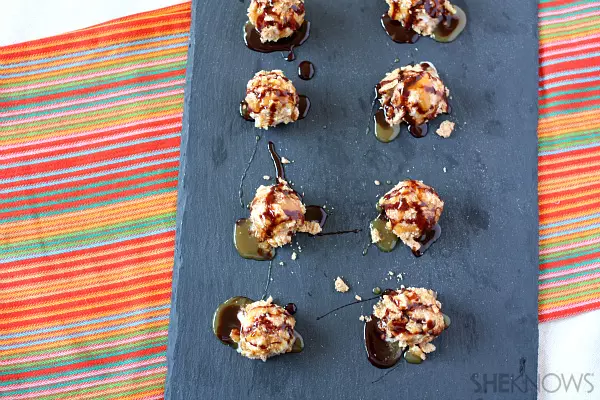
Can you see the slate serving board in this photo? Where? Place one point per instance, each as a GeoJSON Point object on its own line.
{"type": "Point", "coordinates": [484, 266]}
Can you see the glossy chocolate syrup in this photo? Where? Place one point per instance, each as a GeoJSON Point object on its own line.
{"type": "Point", "coordinates": [286, 45]}
{"type": "Point", "coordinates": [279, 170]}
{"type": "Point", "coordinates": [383, 131]}
{"type": "Point", "coordinates": [397, 32]}
{"type": "Point", "coordinates": [306, 70]}
{"type": "Point", "coordinates": [388, 240]}
{"type": "Point", "coordinates": [381, 353]}
{"type": "Point", "coordinates": [316, 214]}
{"type": "Point", "coordinates": [247, 245]}
{"type": "Point", "coordinates": [449, 27]}
{"type": "Point", "coordinates": [303, 106]}
{"type": "Point", "coordinates": [244, 111]}
{"type": "Point", "coordinates": [291, 308]}
{"type": "Point", "coordinates": [225, 319]}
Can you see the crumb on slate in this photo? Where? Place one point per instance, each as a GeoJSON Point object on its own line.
{"type": "Point", "coordinates": [340, 285]}
{"type": "Point", "coordinates": [445, 129]}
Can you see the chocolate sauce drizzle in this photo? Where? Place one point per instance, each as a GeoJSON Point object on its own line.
{"type": "Point", "coordinates": [348, 305]}
{"type": "Point", "coordinates": [303, 109]}
{"type": "Point", "coordinates": [397, 32]}
{"type": "Point", "coordinates": [241, 187]}
{"type": "Point", "coordinates": [306, 70]}
{"type": "Point", "coordinates": [269, 275]}
{"type": "Point", "coordinates": [276, 161]}
{"type": "Point", "coordinates": [339, 232]}
{"type": "Point", "coordinates": [286, 45]}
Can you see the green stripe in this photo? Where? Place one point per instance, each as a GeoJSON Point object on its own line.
{"type": "Point", "coordinates": [95, 103]}
{"type": "Point", "coordinates": [570, 111]}
{"type": "Point", "coordinates": [570, 253]}
{"type": "Point", "coordinates": [569, 32]}
{"type": "Point", "coordinates": [129, 360]}
{"type": "Point", "coordinates": [558, 93]}
{"type": "Point", "coordinates": [88, 343]}
{"type": "Point", "coordinates": [92, 379]}
{"type": "Point", "coordinates": [131, 86]}
{"type": "Point", "coordinates": [95, 116]}
{"type": "Point", "coordinates": [31, 79]}
{"type": "Point", "coordinates": [569, 297]}
{"type": "Point", "coordinates": [87, 206]}
{"type": "Point", "coordinates": [572, 101]}
{"type": "Point", "coordinates": [123, 384]}
{"type": "Point", "coordinates": [80, 241]}
{"type": "Point", "coordinates": [570, 241]}
{"type": "Point", "coordinates": [72, 190]}
{"type": "Point", "coordinates": [107, 121]}
{"type": "Point", "coordinates": [94, 195]}
{"type": "Point", "coordinates": [92, 82]}
{"type": "Point", "coordinates": [570, 14]}
{"type": "Point", "coordinates": [87, 356]}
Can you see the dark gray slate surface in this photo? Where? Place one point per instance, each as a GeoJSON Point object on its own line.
{"type": "Point", "coordinates": [484, 266]}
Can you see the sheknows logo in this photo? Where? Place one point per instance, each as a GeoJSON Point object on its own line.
{"type": "Point", "coordinates": [548, 383]}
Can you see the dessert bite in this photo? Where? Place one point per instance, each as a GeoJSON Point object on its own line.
{"type": "Point", "coordinates": [410, 212]}
{"type": "Point", "coordinates": [276, 19]}
{"type": "Point", "coordinates": [276, 25]}
{"type": "Point", "coordinates": [415, 95]}
{"type": "Point", "coordinates": [271, 99]}
{"type": "Point", "coordinates": [277, 213]}
{"type": "Point", "coordinates": [406, 20]}
{"type": "Point", "coordinates": [404, 322]}
{"type": "Point", "coordinates": [257, 329]}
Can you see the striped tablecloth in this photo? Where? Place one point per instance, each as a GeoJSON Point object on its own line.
{"type": "Point", "coordinates": [90, 127]}
{"type": "Point", "coordinates": [89, 136]}
{"type": "Point", "coordinates": [569, 157]}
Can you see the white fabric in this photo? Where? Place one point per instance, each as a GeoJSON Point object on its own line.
{"type": "Point", "coordinates": [568, 346]}
{"type": "Point", "coordinates": [24, 20]}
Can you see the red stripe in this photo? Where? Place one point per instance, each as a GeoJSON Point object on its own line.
{"type": "Point", "coordinates": [68, 46]}
{"type": "Point", "coordinates": [553, 315]}
{"type": "Point", "coordinates": [570, 261]}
